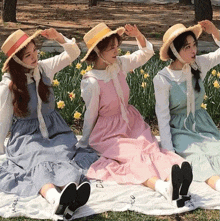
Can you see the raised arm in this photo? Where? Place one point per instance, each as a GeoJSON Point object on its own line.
{"type": "Point", "coordinates": [140, 57]}
{"type": "Point", "coordinates": [58, 62]}
{"type": "Point", "coordinates": [208, 61]}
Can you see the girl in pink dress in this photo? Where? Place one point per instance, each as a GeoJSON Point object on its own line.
{"type": "Point", "coordinates": [129, 153]}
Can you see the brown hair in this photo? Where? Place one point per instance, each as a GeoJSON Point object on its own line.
{"type": "Point", "coordinates": [102, 45]}
{"type": "Point", "coordinates": [18, 86]}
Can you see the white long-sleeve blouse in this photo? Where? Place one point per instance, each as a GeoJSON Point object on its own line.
{"type": "Point", "coordinates": [162, 88]}
{"type": "Point", "coordinates": [90, 90]}
{"type": "Point", "coordinates": [50, 66]}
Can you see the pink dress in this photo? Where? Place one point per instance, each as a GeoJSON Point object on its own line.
{"type": "Point", "coordinates": [129, 152]}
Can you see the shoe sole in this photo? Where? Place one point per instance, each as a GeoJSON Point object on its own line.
{"type": "Point", "coordinates": [83, 193]}
{"type": "Point", "coordinates": [68, 194]}
{"type": "Point", "coordinates": [187, 178]}
{"type": "Point", "coordinates": [176, 177]}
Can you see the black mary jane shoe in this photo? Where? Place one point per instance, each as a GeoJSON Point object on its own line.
{"type": "Point", "coordinates": [176, 179]}
{"type": "Point", "coordinates": [186, 170]}
{"type": "Point", "coordinates": [67, 195]}
{"type": "Point", "coordinates": [82, 196]}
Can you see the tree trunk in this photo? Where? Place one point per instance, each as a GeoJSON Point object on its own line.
{"type": "Point", "coordinates": [9, 10]}
{"type": "Point", "coordinates": [203, 10]}
{"type": "Point", "coordinates": [185, 2]}
{"type": "Point", "coordinates": [93, 3]}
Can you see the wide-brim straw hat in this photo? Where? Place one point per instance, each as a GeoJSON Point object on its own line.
{"type": "Point", "coordinates": [14, 43]}
{"type": "Point", "coordinates": [174, 32]}
{"type": "Point", "coordinates": [97, 34]}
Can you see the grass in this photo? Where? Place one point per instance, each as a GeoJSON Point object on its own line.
{"type": "Point", "coordinates": [196, 215]}
{"type": "Point", "coordinates": [142, 97]}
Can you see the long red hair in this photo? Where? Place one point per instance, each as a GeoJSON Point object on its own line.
{"type": "Point", "coordinates": [18, 86]}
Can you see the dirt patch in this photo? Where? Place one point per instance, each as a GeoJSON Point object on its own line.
{"type": "Point", "coordinates": [75, 18]}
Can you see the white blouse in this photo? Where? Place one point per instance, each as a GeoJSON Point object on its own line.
{"type": "Point", "coordinates": [162, 88]}
{"type": "Point", "coordinates": [90, 90]}
{"type": "Point", "coordinates": [50, 66]}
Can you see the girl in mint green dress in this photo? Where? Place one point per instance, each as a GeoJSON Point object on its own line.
{"type": "Point", "coordinates": [185, 127]}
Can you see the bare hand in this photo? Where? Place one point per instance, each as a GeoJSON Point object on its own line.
{"type": "Point", "coordinates": [50, 33]}
{"type": "Point", "coordinates": [208, 26]}
{"type": "Point", "coordinates": [132, 30]}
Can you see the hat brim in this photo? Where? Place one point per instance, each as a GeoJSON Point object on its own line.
{"type": "Point", "coordinates": [196, 29]}
{"type": "Point", "coordinates": [26, 42]}
{"type": "Point", "coordinates": [120, 31]}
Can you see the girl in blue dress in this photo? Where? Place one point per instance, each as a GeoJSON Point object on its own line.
{"type": "Point", "coordinates": [41, 153]}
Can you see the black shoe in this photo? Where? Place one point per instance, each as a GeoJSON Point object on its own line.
{"type": "Point", "coordinates": [176, 179]}
{"type": "Point", "coordinates": [68, 194]}
{"type": "Point", "coordinates": [186, 170]}
{"type": "Point", "coordinates": [83, 193]}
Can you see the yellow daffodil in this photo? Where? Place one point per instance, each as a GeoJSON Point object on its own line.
{"type": "Point", "coordinates": [205, 97]}
{"type": "Point", "coordinates": [71, 95]}
{"type": "Point", "coordinates": [218, 75]}
{"type": "Point", "coordinates": [216, 84]}
{"type": "Point", "coordinates": [77, 115]}
{"type": "Point", "coordinates": [119, 51]}
{"type": "Point", "coordinates": [142, 71]}
{"type": "Point", "coordinates": [56, 83]}
{"type": "Point", "coordinates": [42, 53]}
{"type": "Point", "coordinates": [146, 76]}
{"type": "Point", "coordinates": [60, 104]}
{"type": "Point", "coordinates": [144, 84]}
{"type": "Point", "coordinates": [83, 72]}
{"type": "Point", "coordinates": [214, 72]}
{"type": "Point", "coordinates": [204, 106]}
{"type": "Point", "coordinates": [78, 65]}
{"type": "Point", "coordinates": [89, 67]}
{"type": "Point", "coordinates": [128, 53]}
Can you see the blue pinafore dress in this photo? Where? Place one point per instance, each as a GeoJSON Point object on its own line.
{"type": "Point", "coordinates": [200, 147]}
{"type": "Point", "coordinates": [33, 161]}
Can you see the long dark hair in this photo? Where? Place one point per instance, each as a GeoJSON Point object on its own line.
{"type": "Point", "coordinates": [179, 43]}
{"type": "Point", "coordinates": [18, 86]}
{"type": "Point", "coordinates": [102, 45]}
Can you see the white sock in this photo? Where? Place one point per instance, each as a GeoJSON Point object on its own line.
{"type": "Point", "coordinates": [163, 188]}
{"type": "Point", "coordinates": [217, 185]}
{"type": "Point", "coordinates": [52, 196]}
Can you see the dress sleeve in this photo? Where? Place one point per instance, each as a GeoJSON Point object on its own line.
{"type": "Point", "coordinates": [6, 113]}
{"type": "Point", "coordinates": [58, 62]}
{"type": "Point", "coordinates": [162, 88]}
{"type": "Point", "coordinates": [90, 93]}
{"type": "Point", "coordinates": [208, 61]}
{"type": "Point", "coordinates": [137, 58]}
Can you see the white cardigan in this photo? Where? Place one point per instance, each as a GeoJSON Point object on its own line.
{"type": "Point", "coordinates": [90, 90]}
{"type": "Point", "coordinates": [50, 66]}
{"type": "Point", "coordinates": [162, 88]}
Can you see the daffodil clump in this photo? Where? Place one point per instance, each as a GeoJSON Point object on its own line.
{"type": "Point", "coordinates": [69, 103]}
{"type": "Point", "coordinates": [211, 100]}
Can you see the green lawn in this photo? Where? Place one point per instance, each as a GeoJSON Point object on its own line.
{"type": "Point", "coordinates": [196, 215]}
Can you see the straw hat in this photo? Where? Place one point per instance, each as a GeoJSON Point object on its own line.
{"type": "Point", "coordinates": [174, 32]}
{"type": "Point", "coordinates": [97, 34]}
{"type": "Point", "coordinates": [14, 43]}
